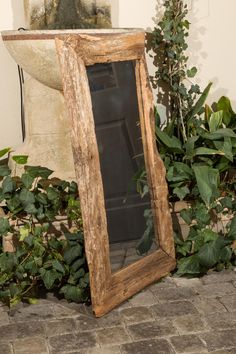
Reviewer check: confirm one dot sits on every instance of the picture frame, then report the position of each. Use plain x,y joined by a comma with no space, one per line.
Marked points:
75,52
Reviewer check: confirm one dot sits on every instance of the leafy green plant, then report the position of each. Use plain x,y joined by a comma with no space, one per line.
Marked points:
167,45
42,216
198,146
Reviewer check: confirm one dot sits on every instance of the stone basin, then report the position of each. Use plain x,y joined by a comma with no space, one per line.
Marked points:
35,51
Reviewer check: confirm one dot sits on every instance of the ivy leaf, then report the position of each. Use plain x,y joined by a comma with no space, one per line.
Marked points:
20,159
192,72
72,253
73,293
58,266
189,265
4,226
4,171
27,180
209,254
49,277
52,193
26,197
24,232
8,185
4,152
38,171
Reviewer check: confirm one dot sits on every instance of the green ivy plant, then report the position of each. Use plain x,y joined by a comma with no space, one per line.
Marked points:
167,45
198,146
43,257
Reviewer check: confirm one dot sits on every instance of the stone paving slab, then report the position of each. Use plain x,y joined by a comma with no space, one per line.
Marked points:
173,316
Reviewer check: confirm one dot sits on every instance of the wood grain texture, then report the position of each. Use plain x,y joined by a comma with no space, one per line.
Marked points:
155,168
87,167
130,280
107,47
109,290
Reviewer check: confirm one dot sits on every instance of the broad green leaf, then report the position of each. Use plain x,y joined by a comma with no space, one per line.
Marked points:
215,121
207,182
227,149
171,142
219,134
183,168
20,159
27,180
208,235
4,226
200,103
189,146
181,192
207,151
225,105
4,171
38,171
189,265
4,152
209,254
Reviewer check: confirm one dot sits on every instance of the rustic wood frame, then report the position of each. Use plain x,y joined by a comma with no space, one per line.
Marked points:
75,52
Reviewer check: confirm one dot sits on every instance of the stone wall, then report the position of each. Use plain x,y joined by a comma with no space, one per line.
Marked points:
67,14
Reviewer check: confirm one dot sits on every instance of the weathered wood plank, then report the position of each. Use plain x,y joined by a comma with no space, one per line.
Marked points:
154,165
108,48
130,280
87,167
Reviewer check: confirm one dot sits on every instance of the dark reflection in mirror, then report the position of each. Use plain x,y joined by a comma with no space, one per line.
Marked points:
116,115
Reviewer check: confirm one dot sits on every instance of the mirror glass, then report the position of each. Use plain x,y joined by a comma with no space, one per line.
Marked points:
127,200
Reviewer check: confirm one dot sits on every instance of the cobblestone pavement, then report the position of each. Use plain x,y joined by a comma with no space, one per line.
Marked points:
175,315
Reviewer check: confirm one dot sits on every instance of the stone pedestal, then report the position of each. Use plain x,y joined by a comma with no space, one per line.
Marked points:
47,131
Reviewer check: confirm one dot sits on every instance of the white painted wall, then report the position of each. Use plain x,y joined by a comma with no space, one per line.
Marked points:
212,49
10,124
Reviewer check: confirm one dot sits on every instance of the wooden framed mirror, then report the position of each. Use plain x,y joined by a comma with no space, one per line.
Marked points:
106,86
